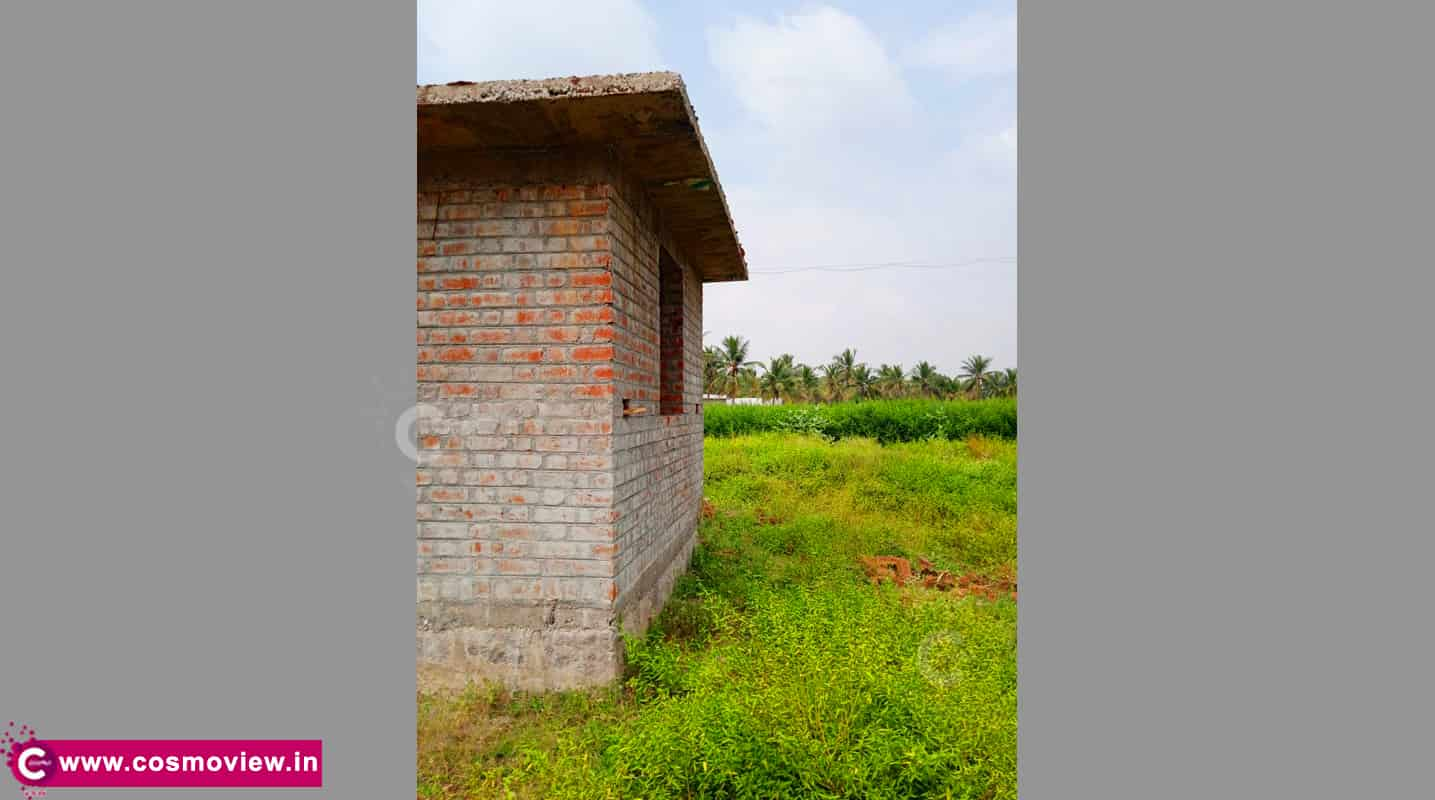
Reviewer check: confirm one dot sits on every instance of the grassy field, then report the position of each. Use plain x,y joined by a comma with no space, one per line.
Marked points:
886,421
778,669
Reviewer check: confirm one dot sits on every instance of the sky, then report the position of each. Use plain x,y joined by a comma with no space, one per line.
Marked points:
849,135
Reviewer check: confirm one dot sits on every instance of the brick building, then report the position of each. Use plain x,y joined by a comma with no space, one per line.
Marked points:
565,230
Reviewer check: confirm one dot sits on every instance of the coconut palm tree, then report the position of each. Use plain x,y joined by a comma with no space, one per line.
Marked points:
1003,383
926,380
891,380
834,384
747,381
779,377
732,362
843,363
838,372
712,370
809,384
975,374
864,381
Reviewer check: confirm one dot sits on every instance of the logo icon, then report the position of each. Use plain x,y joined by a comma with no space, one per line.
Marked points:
31,761
34,762
410,425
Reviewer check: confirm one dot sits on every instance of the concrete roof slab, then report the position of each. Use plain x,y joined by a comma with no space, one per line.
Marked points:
646,117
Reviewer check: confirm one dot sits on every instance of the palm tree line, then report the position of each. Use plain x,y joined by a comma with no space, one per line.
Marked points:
728,371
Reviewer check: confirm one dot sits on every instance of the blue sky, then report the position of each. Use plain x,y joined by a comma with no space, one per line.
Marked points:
843,134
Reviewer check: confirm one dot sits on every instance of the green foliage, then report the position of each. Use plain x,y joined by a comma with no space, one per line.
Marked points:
776,669
830,694
808,419
884,420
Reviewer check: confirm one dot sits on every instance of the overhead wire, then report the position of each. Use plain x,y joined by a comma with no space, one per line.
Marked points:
869,266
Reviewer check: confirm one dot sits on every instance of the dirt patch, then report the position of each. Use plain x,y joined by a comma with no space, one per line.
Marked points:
1002,583
764,517
880,568
989,586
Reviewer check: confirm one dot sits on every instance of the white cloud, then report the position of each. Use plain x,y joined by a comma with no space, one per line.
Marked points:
477,40
819,70
843,166
981,45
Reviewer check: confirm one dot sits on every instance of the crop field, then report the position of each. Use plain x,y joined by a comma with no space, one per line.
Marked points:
789,661
887,421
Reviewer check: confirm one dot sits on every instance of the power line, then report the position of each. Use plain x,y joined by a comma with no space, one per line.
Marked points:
866,267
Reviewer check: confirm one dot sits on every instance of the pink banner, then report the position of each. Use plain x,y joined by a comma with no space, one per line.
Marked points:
166,763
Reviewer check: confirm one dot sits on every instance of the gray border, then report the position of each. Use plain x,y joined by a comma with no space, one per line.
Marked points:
1222,437
207,325
1221,594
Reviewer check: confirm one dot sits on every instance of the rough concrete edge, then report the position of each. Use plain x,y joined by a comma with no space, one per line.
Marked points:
517,91
554,89
717,184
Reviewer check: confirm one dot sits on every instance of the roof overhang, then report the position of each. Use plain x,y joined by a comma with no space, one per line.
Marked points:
645,117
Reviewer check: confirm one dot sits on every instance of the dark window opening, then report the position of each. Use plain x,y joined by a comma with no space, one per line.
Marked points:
670,335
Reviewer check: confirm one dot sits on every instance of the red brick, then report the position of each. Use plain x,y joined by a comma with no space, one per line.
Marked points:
522,355
461,282
588,208
456,354
593,279
560,334
592,353
590,315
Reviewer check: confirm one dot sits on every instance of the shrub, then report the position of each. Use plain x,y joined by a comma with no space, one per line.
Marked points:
886,421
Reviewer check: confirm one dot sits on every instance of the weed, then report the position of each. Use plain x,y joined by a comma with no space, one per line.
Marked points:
982,447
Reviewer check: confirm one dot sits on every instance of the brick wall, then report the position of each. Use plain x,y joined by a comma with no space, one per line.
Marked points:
657,495
544,514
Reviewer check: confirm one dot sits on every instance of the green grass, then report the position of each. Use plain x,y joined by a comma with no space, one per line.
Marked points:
884,420
776,669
